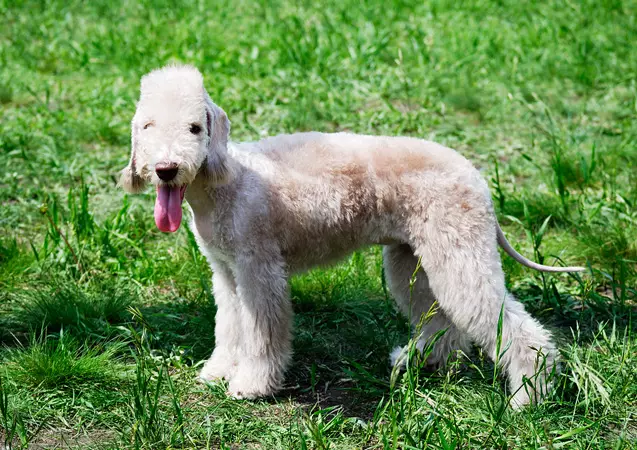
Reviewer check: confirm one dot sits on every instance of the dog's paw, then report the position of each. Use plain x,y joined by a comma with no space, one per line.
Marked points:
246,388
531,392
398,358
254,379
520,399
221,365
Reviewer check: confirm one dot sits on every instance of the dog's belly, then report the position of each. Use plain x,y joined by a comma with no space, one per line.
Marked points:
302,261
330,248
311,255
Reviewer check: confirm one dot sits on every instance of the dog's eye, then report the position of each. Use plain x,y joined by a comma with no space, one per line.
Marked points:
195,129
148,125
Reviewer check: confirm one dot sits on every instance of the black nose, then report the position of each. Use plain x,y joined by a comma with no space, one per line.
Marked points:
167,171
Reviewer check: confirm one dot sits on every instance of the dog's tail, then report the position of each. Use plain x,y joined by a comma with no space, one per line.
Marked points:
506,246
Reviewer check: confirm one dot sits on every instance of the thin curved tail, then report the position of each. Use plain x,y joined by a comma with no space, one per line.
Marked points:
506,246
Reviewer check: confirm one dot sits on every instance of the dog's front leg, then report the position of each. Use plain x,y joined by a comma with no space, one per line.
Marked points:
223,362
266,314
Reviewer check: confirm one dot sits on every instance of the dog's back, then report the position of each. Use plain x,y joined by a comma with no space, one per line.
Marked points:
314,153
342,191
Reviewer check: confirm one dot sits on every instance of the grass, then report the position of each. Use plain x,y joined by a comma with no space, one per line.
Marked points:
104,320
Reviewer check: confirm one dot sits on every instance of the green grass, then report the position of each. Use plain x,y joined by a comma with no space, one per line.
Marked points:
104,320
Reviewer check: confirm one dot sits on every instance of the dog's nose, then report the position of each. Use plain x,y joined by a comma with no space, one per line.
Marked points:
167,171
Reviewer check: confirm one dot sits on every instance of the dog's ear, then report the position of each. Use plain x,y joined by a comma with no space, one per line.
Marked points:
129,178
218,129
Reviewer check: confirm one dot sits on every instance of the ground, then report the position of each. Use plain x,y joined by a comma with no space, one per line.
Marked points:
104,320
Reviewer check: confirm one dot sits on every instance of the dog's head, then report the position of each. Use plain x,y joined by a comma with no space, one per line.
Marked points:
177,133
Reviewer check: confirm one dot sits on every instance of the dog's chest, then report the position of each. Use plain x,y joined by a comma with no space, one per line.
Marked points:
214,236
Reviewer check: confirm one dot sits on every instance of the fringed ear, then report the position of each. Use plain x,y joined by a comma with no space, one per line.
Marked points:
218,129
129,178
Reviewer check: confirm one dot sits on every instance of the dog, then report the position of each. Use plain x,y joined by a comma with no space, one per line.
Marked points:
262,211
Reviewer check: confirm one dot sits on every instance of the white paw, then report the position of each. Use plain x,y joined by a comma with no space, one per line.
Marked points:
532,392
398,357
243,387
254,378
520,399
220,365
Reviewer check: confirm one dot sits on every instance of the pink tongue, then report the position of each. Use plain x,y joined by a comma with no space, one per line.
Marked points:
168,208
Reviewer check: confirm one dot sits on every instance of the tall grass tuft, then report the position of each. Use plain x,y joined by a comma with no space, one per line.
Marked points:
94,309
62,361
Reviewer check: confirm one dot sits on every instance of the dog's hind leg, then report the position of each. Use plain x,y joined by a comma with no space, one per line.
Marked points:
457,244
415,302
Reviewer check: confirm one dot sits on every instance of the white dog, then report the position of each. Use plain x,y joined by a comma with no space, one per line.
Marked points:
265,210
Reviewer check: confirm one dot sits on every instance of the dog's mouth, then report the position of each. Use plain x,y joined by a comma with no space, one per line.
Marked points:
168,207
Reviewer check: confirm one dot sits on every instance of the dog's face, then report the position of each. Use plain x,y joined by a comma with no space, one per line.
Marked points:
177,133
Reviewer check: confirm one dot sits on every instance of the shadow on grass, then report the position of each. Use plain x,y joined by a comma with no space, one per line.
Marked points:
340,348
564,313
344,331
182,326
341,353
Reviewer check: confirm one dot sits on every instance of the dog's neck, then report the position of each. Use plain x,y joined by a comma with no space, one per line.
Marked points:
202,194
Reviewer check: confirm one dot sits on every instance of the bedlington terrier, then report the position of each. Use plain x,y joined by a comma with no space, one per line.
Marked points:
262,211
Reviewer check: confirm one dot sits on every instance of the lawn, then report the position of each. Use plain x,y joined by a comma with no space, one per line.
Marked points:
105,321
